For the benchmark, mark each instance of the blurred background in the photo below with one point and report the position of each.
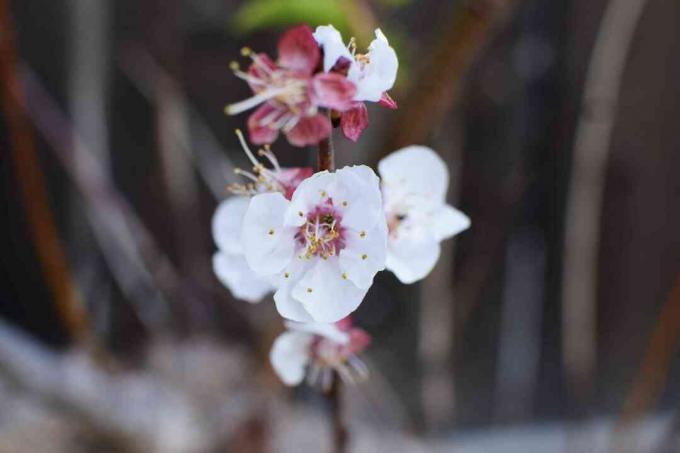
(552, 325)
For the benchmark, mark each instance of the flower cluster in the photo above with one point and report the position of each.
(292, 91)
(317, 240)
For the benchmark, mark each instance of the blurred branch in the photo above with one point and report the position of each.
(137, 264)
(586, 188)
(164, 408)
(209, 159)
(48, 245)
(651, 377)
(433, 92)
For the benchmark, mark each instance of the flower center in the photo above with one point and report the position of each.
(322, 234)
(274, 84)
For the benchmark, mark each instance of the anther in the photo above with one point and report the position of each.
(286, 275)
(344, 276)
(245, 51)
(234, 66)
(344, 203)
(309, 290)
(270, 232)
(364, 256)
(362, 234)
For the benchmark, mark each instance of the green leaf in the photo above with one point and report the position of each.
(258, 14)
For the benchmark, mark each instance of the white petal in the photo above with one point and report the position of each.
(412, 259)
(414, 170)
(286, 305)
(333, 48)
(290, 355)
(448, 221)
(243, 283)
(330, 330)
(226, 223)
(311, 192)
(267, 244)
(325, 295)
(379, 74)
(364, 254)
(357, 194)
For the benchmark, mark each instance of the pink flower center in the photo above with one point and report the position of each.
(322, 234)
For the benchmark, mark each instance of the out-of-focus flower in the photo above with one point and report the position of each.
(373, 73)
(414, 184)
(323, 247)
(229, 264)
(290, 93)
(317, 350)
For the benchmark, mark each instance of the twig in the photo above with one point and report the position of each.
(327, 153)
(48, 245)
(340, 433)
(586, 189)
(431, 97)
(653, 372)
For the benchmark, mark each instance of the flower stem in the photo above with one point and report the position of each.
(340, 432)
(327, 153)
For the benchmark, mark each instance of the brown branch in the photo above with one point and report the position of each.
(340, 433)
(29, 177)
(652, 375)
(427, 101)
(327, 153)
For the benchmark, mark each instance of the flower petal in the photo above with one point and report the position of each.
(364, 254)
(242, 282)
(354, 121)
(332, 91)
(379, 74)
(291, 178)
(260, 124)
(298, 50)
(412, 259)
(333, 47)
(325, 295)
(226, 223)
(289, 356)
(357, 194)
(310, 130)
(307, 196)
(330, 331)
(414, 170)
(267, 244)
(448, 221)
(286, 305)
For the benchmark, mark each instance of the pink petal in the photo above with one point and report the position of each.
(298, 50)
(387, 101)
(345, 324)
(292, 177)
(264, 133)
(332, 91)
(310, 130)
(358, 340)
(354, 121)
(259, 70)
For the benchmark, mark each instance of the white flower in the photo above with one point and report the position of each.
(316, 350)
(373, 73)
(324, 246)
(229, 264)
(414, 184)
